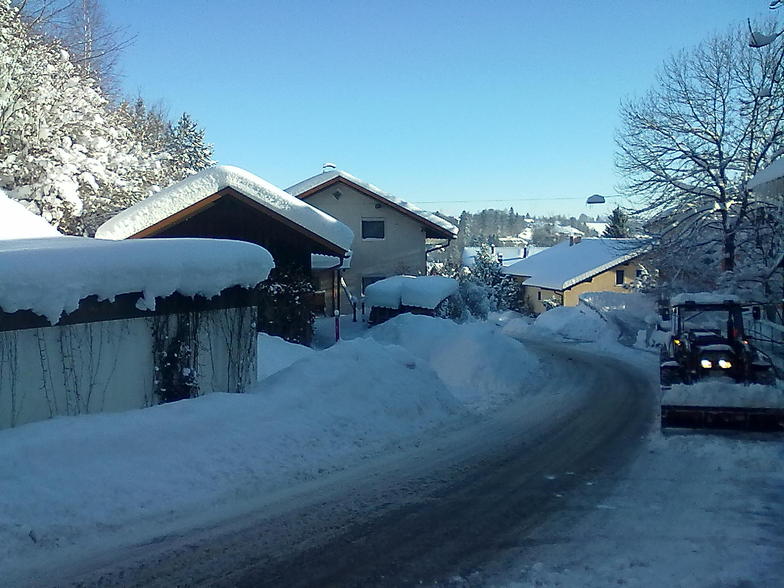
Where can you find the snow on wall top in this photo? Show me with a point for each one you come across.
(419, 291)
(703, 298)
(50, 276)
(564, 265)
(207, 182)
(322, 178)
(16, 222)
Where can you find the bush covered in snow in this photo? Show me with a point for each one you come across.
(482, 289)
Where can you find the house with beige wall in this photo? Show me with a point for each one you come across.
(577, 265)
(392, 236)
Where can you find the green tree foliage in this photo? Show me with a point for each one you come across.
(618, 227)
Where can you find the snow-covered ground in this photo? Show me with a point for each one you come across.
(82, 484)
(694, 510)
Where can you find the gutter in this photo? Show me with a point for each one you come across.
(441, 246)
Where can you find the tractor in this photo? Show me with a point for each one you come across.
(708, 365)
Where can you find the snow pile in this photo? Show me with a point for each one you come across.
(275, 354)
(482, 367)
(94, 480)
(419, 291)
(713, 392)
(199, 186)
(16, 222)
(576, 323)
(50, 276)
(633, 315)
(322, 178)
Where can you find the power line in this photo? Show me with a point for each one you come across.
(479, 201)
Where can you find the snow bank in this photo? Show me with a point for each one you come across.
(419, 291)
(199, 186)
(714, 392)
(96, 480)
(16, 222)
(576, 323)
(50, 276)
(275, 354)
(323, 178)
(482, 368)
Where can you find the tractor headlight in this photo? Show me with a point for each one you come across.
(725, 364)
(706, 364)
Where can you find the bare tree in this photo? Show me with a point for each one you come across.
(687, 148)
(83, 28)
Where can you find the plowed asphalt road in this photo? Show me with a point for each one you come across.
(460, 503)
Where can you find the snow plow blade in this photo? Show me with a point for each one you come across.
(734, 418)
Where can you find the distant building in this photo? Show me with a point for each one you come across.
(577, 265)
(506, 255)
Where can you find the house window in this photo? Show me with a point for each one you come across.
(367, 280)
(638, 273)
(538, 294)
(619, 277)
(373, 229)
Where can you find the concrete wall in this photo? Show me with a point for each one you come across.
(401, 251)
(603, 282)
(108, 366)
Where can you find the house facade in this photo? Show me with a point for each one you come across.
(559, 274)
(391, 235)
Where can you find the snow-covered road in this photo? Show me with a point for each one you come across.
(440, 511)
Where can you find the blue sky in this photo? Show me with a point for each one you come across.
(452, 105)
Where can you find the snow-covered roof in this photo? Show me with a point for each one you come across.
(509, 255)
(564, 265)
(50, 276)
(312, 184)
(567, 230)
(16, 222)
(197, 187)
(419, 291)
(598, 227)
(319, 261)
(772, 173)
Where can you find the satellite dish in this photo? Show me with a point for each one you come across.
(595, 199)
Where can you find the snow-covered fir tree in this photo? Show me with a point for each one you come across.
(189, 153)
(618, 226)
(63, 153)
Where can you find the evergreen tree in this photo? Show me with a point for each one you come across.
(618, 227)
(189, 152)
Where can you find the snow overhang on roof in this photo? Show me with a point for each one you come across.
(437, 227)
(564, 265)
(16, 222)
(210, 181)
(51, 276)
(772, 173)
(319, 261)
